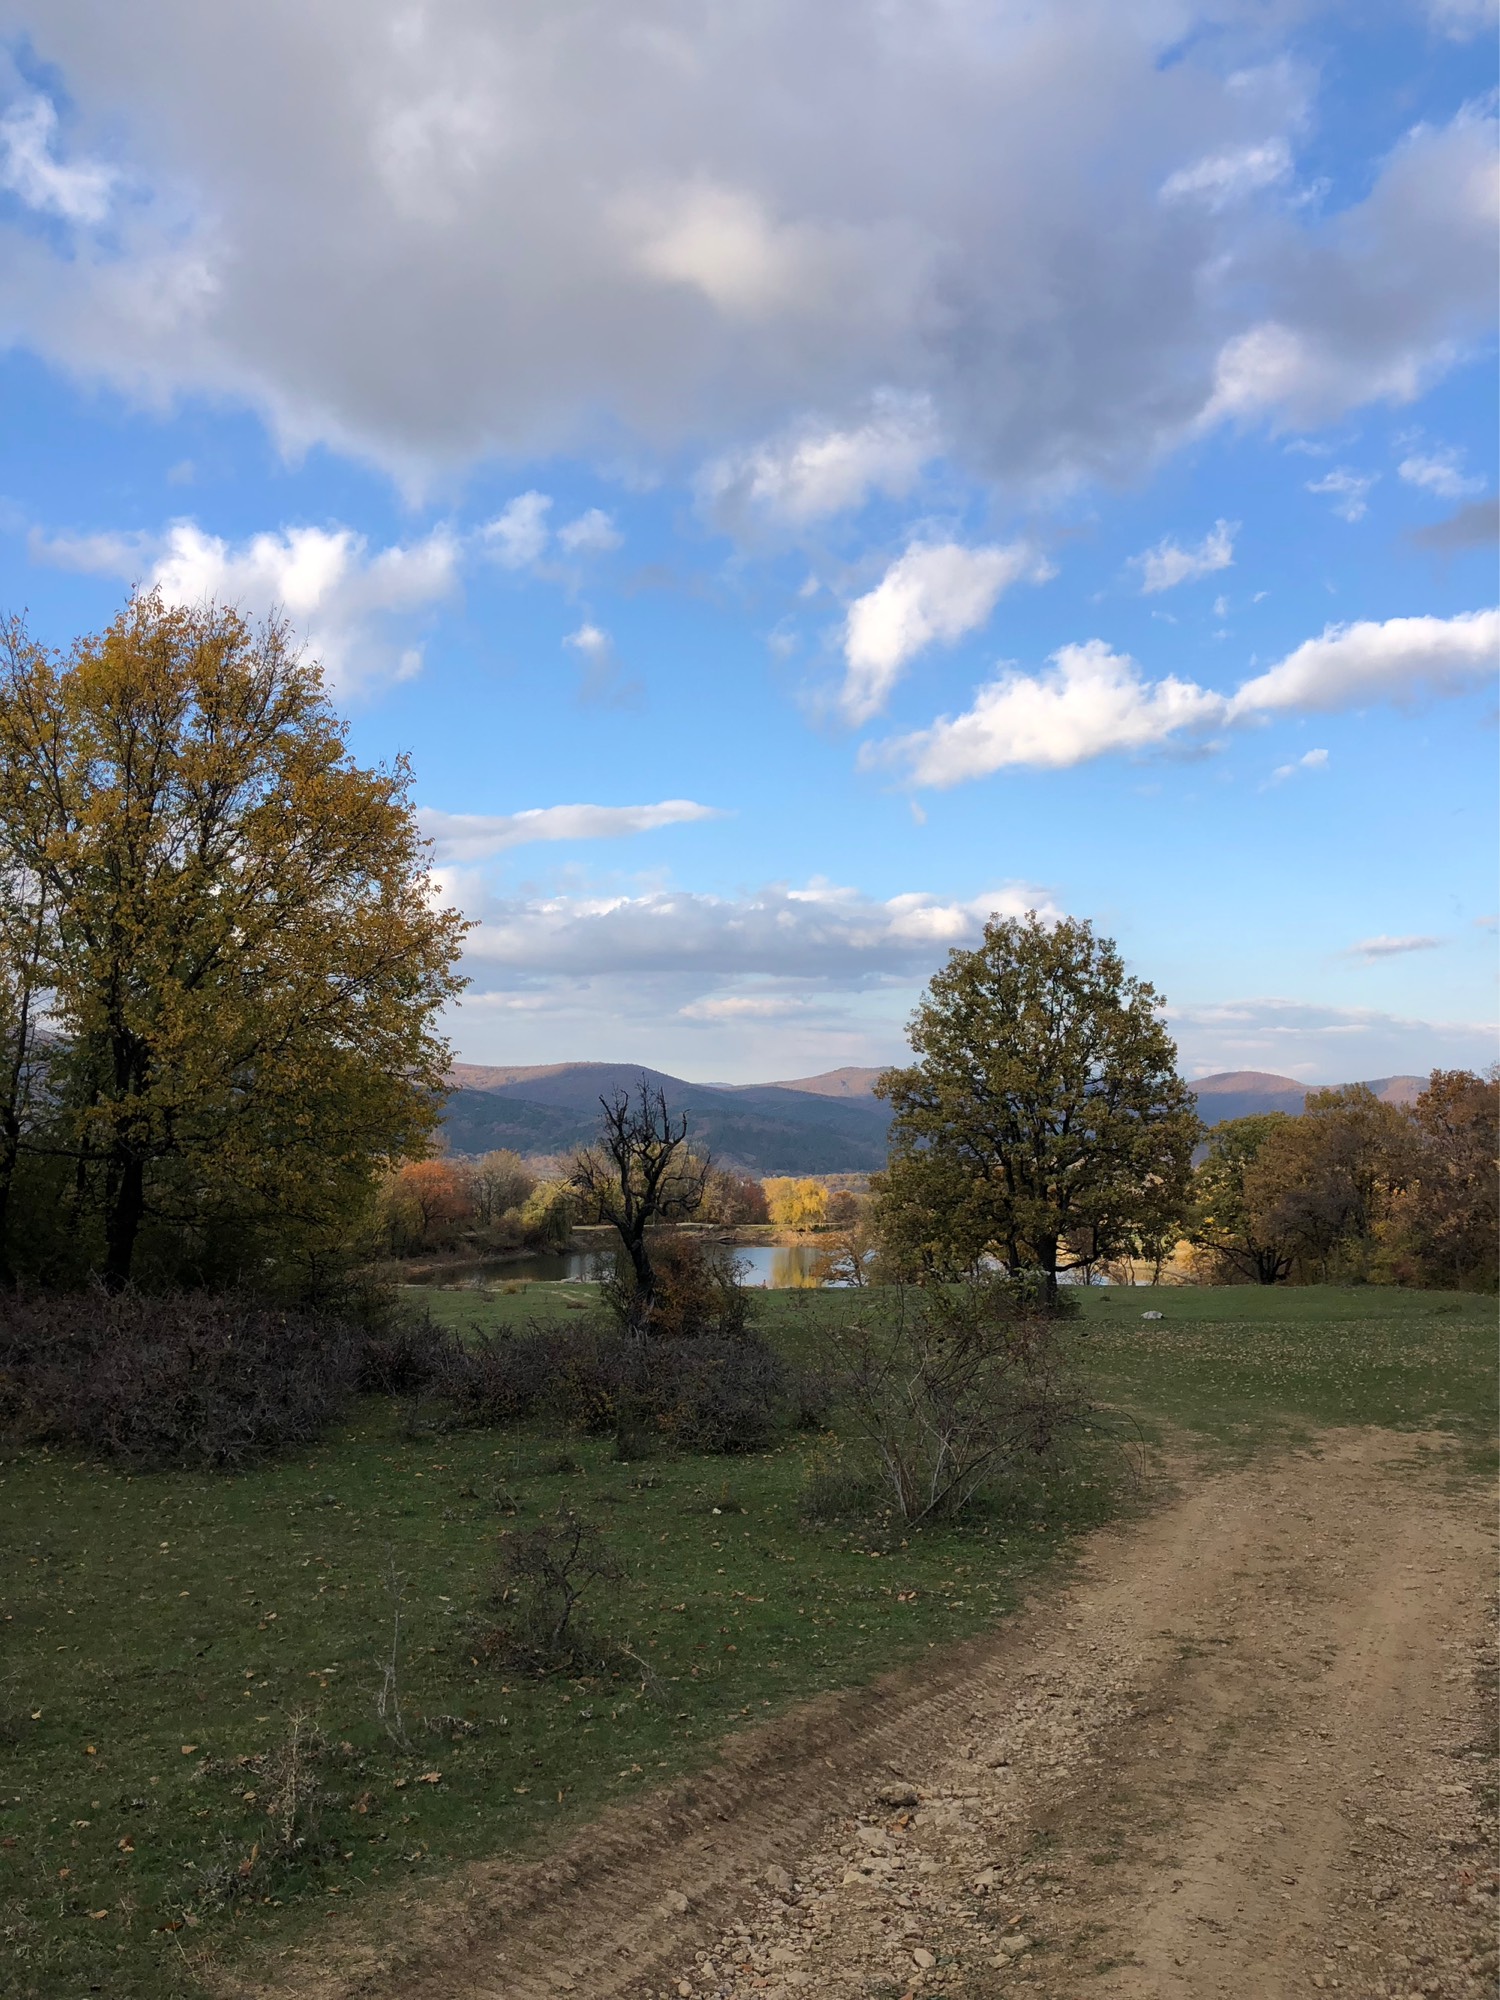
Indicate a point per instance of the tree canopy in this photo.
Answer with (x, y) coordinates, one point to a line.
(1043, 1122)
(232, 960)
(1357, 1189)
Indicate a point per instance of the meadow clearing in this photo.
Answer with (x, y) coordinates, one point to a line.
(167, 1637)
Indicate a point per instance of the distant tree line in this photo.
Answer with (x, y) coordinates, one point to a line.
(1356, 1190)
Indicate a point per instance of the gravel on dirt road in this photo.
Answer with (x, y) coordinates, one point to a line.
(1242, 1750)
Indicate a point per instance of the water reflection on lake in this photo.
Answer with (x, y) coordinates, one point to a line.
(780, 1267)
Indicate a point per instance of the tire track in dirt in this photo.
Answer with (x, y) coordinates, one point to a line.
(1239, 1753)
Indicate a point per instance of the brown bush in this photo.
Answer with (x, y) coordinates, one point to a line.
(182, 1379)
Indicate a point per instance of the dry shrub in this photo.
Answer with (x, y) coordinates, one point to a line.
(286, 1784)
(952, 1389)
(182, 1379)
(542, 1577)
(407, 1357)
(697, 1291)
(706, 1393)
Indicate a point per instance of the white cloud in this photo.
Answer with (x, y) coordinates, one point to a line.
(815, 470)
(1351, 665)
(1349, 490)
(517, 537)
(1094, 700)
(1221, 178)
(660, 228)
(820, 931)
(77, 192)
(591, 640)
(593, 533)
(1391, 947)
(469, 837)
(1311, 760)
(936, 592)
(1382, 297)
(1441, 472)
(750, 1007)
(603, 683)
(1463, 19)
(343, 601)
(1327, 1043)
(1167, 565)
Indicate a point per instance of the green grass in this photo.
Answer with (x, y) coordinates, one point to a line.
(1246, 1364)
(144, 1614)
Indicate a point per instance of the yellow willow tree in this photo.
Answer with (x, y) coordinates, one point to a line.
(243, 958)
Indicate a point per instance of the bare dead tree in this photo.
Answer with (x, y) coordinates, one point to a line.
(640, 1172)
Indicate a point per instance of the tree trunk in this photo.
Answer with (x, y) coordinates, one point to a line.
(126, 1210)
(1047, 1257)
(645, 1278)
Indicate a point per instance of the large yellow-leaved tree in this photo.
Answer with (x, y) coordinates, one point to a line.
(241, 957)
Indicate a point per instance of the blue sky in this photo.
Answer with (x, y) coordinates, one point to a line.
(794, 480)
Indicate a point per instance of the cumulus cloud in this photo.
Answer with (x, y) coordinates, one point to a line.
(592, 534)
(813, 470)
(1441, 472)
(1221, 178)
(1391, 947)
(78, 191)
(1398, 291)
(517, 537)
(936, 592)
(1095, 701)
(1311, 760)
(471, 837)
(1349, 491)
(1351, 665)
(820, 931)
(346, 602)
(431, 235)
(603, 684)
(1167, 565)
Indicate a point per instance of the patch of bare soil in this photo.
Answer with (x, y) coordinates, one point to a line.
(1242, 1751)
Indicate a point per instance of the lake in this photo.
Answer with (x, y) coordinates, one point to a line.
(780, 1267)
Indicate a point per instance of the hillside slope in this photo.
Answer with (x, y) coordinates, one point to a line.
(813, 1125)
(757, 1128)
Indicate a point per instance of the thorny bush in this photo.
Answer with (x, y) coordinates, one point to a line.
(951, 1389)
(188, 1378)
(543, 1574)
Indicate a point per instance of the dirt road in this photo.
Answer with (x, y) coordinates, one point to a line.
(1241, 1752)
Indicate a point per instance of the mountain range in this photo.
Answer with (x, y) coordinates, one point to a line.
(827, 1124)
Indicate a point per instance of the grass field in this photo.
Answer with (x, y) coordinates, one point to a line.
(158, 1629)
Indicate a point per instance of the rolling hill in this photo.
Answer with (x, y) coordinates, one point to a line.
(757, 1128)
(827, 1124)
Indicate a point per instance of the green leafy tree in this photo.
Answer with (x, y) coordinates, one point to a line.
(1247, 1238)
(1043, 1110)
(242, 956)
